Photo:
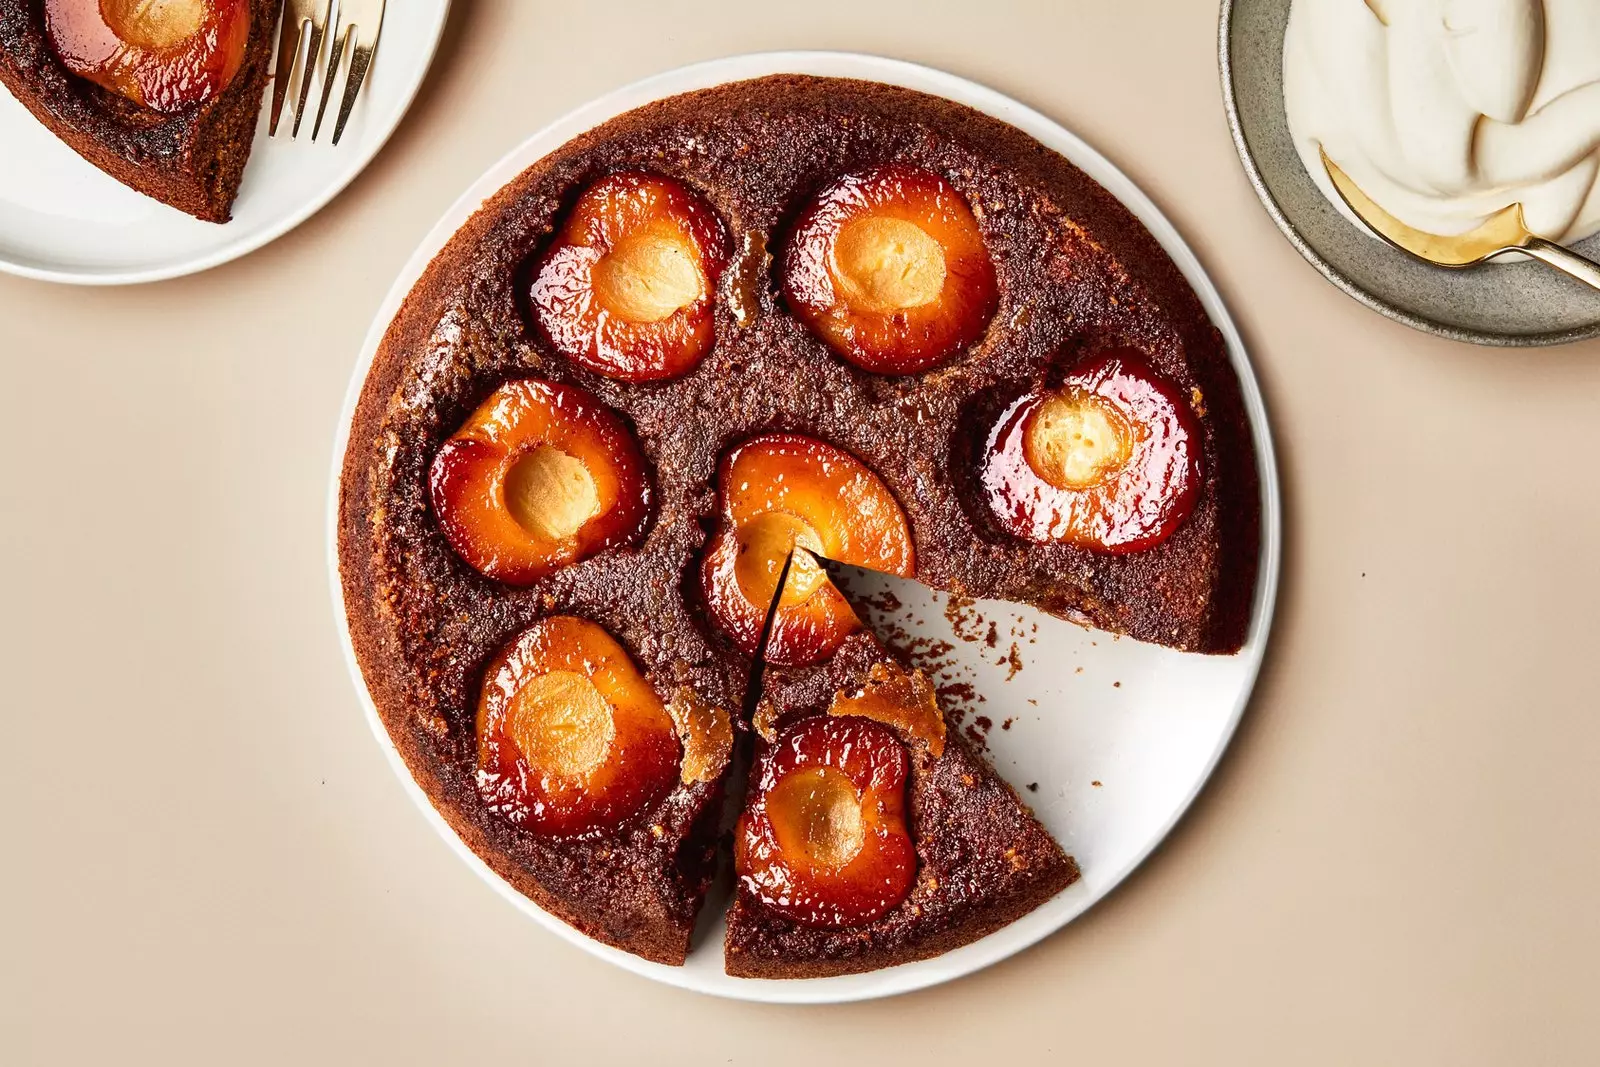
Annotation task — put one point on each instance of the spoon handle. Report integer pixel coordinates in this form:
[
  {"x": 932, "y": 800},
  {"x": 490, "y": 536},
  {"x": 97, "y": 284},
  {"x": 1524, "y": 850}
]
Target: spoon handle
[{"x": 1564, "y": 259}]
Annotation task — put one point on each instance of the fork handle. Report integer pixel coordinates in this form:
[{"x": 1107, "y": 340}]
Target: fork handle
[{"x": 1564, "y": 259}]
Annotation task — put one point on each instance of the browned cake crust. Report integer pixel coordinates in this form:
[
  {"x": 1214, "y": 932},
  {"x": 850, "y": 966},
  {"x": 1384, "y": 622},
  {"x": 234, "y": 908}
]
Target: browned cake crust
[
  {"x": 983, "y": 860},
  {"x": 192, "y": 160},
  {"x": 1076, "y": 272}
]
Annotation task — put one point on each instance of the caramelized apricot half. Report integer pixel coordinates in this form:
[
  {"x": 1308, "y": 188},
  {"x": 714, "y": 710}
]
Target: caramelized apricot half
[
  {"x": 540, "y": 476},
  {"x": 889, "y": 267},
  {"x": 628, "y": 287},
  {"x": 1110, "y": 461},
  {"x": 166, "y": 55},
  {"x": 571, "y": 737},
  {"x": 780, "y": 491},
  {"x": 823, "y": 840}
]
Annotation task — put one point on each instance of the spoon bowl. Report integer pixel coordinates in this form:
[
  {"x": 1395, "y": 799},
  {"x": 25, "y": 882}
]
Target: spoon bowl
[{"x": 1504, "y": 231}]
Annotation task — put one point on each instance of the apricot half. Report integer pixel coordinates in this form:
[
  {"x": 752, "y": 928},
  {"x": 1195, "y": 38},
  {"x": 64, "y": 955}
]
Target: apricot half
[
  {"x": 540, "y": 476},
  {"x": 166, "y": 55},
  {"x": 571, "y": 737},
  {"x": 779, "y": 491},
  {"x": 823, "y": 840},
  {"x": 628, "y": 287},
  {"x": 1110, "y": 461},
  {"x": 889, "y": 267}
]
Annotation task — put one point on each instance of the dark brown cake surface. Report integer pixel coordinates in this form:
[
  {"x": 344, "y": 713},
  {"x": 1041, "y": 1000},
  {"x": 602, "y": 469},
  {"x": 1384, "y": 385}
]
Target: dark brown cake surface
[
  {"x": 192, "y": 160},
  {"x": 1077, "y": 274}
]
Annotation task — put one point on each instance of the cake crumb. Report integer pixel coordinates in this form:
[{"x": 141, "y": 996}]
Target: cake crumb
[
  {"x": 1095, "y": 783},
  {"x": 1033, "y": 787},
  {"x": 978, "y": 731},
  {"x": 956, "y": 691},
  {"x": 964, "y": 620},
  {"x": 1012, "y": 661},
  {"x": 885, "y": 602}
]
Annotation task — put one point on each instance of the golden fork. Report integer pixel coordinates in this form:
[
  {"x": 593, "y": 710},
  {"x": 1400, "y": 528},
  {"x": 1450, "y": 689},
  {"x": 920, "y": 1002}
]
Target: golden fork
[
  {"x": 356, "y": 24},
  {"x": 1504, "y": 231}
]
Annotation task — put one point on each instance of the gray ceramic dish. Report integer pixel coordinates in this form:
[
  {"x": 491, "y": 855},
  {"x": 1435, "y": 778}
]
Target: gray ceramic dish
[{"x": 1496, "y": 304}]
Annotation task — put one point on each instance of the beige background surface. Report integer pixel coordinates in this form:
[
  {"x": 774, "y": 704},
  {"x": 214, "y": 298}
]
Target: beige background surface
[{"x": 206, "y": 859}]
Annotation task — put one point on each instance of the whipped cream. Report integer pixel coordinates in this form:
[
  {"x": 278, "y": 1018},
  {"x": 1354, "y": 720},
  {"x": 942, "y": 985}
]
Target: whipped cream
[{"x": 1446, "y": 111}]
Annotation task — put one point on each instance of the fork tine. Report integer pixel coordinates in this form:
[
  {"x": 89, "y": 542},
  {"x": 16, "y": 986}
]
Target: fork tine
[
  {"x": 341, "y": 35},
  {"x": 319, "y": 24},
  {"x": 366, "y": 42},
  {"x": 288, "y": 49}
]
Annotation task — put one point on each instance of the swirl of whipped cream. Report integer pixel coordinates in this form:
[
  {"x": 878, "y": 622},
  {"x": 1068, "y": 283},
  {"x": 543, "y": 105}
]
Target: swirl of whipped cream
[{"x": 1445, "y": 111}]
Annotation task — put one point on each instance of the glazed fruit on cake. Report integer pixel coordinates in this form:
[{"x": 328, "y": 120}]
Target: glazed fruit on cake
[
  {"x": 540, "y": 476},
  {"x": 783, "y": 491},
  {"x": 160, "y": 94},
  {"x": 649, "y": 384},
  {"x": 626, "y": 289},
  {"x": 889, "y": 267}
]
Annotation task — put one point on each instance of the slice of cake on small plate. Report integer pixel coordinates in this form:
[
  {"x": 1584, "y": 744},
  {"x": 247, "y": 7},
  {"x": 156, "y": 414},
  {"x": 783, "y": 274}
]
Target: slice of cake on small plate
[{"x": 163, "y": 96}]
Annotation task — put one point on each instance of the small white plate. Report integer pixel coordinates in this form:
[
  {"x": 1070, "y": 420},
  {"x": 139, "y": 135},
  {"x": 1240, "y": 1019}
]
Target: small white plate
[
  {"x": 1118, "y": 748},
  {"x": 64, "y": 220}
]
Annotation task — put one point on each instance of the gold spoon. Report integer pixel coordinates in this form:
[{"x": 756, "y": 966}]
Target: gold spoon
[{"x": 1504, "y": 231}]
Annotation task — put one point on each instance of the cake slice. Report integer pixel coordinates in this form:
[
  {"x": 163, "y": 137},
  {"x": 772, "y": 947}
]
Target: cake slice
[
  {"x": 162, "y": 96},
  {"x": 873, "y": 834}
]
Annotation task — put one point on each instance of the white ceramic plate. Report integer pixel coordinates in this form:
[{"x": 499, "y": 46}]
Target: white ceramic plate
[
  {"x": 64, "y": 220},
  {"x": 1116, "y": 764}
]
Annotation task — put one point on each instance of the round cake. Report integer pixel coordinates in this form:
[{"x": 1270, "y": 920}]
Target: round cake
[{"x": 787, "y": 314}]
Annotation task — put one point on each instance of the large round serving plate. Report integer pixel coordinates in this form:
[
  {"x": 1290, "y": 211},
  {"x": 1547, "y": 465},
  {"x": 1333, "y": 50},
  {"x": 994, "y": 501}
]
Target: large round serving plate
[
  {"x": 64, "y": 220},
  {"x": 1117, "y": 737}
]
